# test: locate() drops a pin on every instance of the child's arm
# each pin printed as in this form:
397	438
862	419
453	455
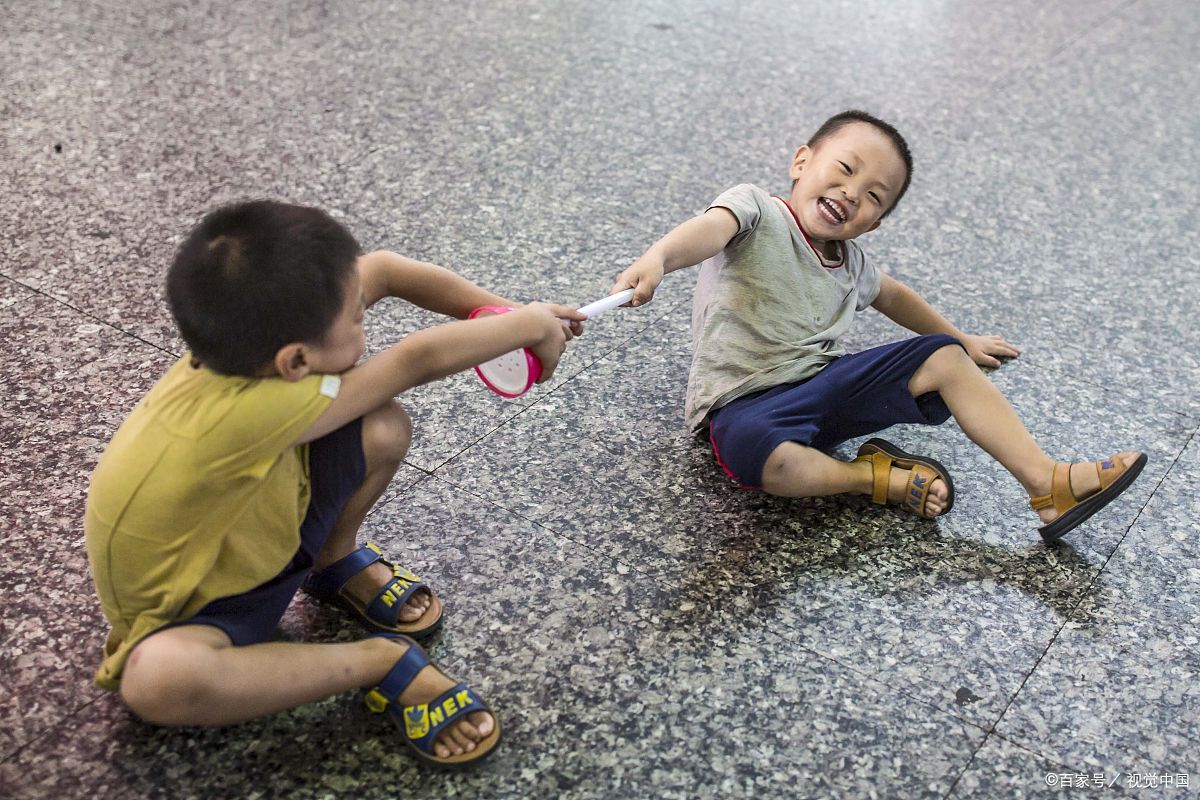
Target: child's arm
438	352
429	286
905	307
687	245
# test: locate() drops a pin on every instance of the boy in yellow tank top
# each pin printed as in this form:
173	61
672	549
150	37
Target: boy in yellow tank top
247	470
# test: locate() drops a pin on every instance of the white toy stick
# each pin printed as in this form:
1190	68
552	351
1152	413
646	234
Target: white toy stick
606	304
512	374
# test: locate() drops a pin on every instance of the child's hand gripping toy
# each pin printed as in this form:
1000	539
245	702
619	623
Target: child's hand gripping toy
512	374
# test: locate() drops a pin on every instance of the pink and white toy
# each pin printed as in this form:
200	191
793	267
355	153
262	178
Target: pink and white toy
512	374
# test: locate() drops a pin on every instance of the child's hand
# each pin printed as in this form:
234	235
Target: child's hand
643	276
553	342
984	349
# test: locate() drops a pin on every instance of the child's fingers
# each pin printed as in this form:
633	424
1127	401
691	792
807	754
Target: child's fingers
549	364
565	312
640	295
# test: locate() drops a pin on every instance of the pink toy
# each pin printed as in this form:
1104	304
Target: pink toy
512	374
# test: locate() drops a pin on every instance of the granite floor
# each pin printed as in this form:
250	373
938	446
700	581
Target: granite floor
643	627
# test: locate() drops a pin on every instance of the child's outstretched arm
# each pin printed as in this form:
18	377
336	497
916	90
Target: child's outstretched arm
386	274
688	244
443	350
904	306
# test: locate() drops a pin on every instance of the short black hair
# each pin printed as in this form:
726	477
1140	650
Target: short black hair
255	276
839	121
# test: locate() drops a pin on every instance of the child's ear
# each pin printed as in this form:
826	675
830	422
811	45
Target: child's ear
800	160
291	363
876	225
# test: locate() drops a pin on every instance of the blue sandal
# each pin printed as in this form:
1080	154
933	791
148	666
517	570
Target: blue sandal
420	725
383	612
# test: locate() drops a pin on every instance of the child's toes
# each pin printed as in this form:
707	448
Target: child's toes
483	723
415	608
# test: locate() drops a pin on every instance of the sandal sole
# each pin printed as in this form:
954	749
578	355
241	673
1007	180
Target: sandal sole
463	762
360	617
1082	511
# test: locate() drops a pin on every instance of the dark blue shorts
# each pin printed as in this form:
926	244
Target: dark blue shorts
336	468
854	395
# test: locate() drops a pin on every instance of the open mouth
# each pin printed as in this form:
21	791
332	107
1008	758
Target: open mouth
831	211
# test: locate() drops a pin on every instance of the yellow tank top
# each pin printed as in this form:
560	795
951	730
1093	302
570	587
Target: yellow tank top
199	495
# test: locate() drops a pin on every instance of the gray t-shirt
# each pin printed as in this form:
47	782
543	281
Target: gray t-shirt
767	309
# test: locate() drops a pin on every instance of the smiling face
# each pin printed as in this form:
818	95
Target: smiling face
846	183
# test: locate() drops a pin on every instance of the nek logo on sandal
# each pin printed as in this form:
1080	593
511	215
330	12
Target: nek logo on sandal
416	721
419	719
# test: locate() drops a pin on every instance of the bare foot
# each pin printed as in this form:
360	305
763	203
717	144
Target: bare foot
461	737
935	502
1085	482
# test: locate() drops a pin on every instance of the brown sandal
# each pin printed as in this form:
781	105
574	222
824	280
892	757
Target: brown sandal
883	455
1115	478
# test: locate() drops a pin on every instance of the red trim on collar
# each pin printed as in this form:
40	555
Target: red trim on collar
841	262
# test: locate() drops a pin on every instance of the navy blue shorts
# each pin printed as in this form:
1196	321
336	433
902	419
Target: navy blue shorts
854	395
336	468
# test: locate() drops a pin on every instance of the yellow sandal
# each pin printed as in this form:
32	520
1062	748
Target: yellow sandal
1115	478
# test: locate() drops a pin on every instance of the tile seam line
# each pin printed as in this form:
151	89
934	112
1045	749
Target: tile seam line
1119	390
949	794
89	315
1083	594
521	412
557	534
1021	73
37	737
666	583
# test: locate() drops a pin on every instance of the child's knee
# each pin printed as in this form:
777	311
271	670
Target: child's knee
387	433
162	681
942	365
782	471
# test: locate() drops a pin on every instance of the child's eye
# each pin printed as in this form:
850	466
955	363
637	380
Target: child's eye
845	167
874	197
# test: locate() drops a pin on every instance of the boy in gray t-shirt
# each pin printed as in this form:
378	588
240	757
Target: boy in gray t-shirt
780	283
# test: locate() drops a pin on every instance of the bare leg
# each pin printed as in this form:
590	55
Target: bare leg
193	675
386	435
989	420
794	470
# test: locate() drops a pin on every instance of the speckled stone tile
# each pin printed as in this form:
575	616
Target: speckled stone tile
1050	240
67	381
954	611
452	414
1122	676
1003	769
606	682
540	151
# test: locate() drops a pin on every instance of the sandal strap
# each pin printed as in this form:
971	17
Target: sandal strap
1040	502
402	673
881	474
326	583
385	606
920	478
1060	488
425	721
1109	469
1062	496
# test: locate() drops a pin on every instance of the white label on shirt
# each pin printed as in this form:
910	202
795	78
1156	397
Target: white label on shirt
330	384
